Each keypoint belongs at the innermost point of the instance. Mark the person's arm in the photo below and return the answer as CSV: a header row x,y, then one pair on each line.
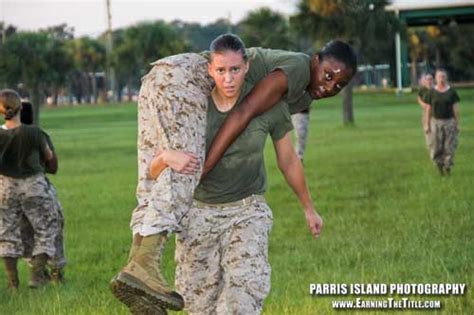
x,y
456,114
263,97
291,167
183,162
50,160
422,103
426,119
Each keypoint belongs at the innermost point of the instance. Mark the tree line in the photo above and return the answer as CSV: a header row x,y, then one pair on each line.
x,y
53,63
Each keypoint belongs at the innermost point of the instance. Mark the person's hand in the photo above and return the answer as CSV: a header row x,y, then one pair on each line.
x,y
314,221
427,129
182,162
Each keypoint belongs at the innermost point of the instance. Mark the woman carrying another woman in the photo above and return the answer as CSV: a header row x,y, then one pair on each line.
x,y
222,251
172,115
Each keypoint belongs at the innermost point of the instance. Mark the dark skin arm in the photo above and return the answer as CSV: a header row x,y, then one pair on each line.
x,y
51,161
263,97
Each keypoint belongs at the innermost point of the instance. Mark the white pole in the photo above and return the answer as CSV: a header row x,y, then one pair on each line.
x,y
398,54
109,47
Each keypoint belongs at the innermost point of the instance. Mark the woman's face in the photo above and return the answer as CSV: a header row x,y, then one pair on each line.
x,y
228,69
429,81
441,77
328,77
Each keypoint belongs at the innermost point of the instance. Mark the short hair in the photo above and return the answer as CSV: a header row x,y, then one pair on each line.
x,y
341,51
426,74
11,101
26,115
228,42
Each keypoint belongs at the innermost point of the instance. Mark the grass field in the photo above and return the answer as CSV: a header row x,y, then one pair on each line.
x,y
389,217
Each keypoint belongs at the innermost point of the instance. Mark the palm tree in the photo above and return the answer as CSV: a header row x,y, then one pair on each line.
x,y
265,28
141,44
88,57
36,60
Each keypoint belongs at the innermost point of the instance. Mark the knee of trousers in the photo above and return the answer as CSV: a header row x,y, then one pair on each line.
x,y
13,248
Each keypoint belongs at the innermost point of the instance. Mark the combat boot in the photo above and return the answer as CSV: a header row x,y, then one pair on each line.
x,y
441,169
447,171
12,273
137,239
57,275
138,304
140,284
39,273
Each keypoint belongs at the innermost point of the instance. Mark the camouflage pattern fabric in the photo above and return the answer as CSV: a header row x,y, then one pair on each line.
x,y
444,140
222,257
59,260
301,123
29,197
172,109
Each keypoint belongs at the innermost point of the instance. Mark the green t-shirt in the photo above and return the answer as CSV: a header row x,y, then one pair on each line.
x,y
241,171
423,93
442,103
23,154
295,65
5,139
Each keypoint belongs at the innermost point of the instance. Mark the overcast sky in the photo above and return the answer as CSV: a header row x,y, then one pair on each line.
x,y
88,17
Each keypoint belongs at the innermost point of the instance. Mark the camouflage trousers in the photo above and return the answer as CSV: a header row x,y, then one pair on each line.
x,y
59,260
300,122
443,142
222,257
172,110
29,197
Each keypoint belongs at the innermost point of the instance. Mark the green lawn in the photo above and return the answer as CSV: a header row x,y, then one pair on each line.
x,y
389,217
